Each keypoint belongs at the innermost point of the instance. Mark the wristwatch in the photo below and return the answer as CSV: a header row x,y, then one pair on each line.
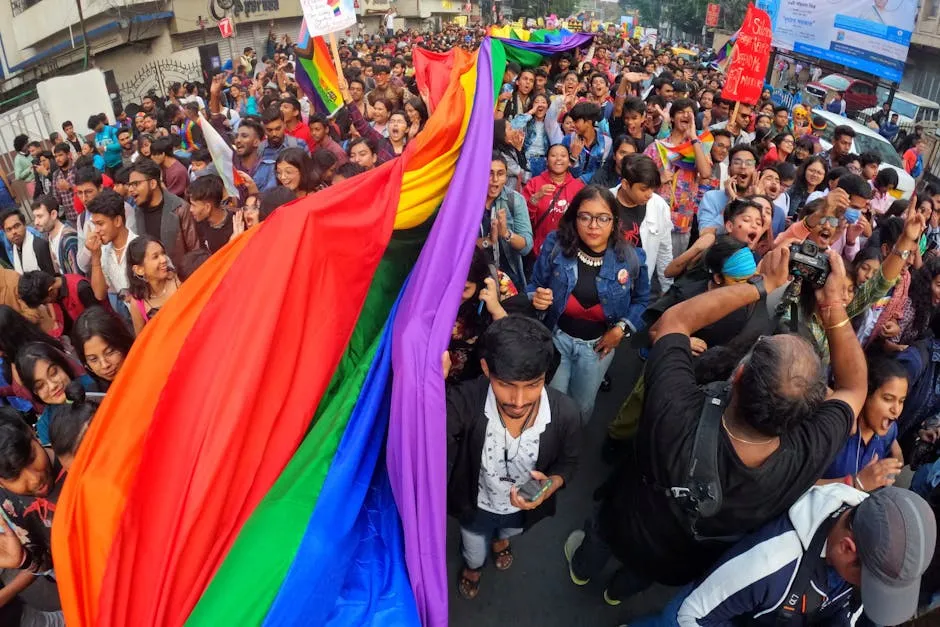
x,y
509,236
903,254
758,282
623,327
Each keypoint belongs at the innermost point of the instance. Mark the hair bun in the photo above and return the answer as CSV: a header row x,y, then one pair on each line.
x,y
75,392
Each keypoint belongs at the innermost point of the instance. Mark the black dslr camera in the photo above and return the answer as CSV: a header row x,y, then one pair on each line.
x,y
810,263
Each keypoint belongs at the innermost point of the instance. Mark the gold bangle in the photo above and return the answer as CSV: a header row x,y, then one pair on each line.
x,y
836,326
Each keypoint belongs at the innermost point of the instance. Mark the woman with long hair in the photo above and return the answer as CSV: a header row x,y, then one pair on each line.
x,y
293,171
809,178
521,100
46,372
15,332
151,281
548,195
102,342
871,457
780,150
535,145
508,142
593,288
417,113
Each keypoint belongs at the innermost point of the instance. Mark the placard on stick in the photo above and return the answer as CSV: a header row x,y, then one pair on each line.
x,y
744,79
328,16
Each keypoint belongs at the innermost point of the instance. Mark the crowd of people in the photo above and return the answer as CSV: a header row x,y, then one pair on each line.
x,y
782,294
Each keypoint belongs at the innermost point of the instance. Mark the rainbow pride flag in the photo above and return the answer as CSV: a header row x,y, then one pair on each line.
x,y
235,473
683,155
315,73
723,58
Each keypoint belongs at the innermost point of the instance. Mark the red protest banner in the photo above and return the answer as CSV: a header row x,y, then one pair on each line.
x,y
744,79
711,16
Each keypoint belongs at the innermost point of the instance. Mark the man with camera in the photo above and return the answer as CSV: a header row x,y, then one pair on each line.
x,y
512,443
687,492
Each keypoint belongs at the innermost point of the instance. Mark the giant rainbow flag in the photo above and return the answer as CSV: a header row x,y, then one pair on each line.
x,y
235,475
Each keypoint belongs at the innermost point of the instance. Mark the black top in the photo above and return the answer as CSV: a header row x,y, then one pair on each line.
x,y
640,523
630,220
585,292
215,237
153,220
559,446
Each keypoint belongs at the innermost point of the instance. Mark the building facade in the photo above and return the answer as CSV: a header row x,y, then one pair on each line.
x,y
921,76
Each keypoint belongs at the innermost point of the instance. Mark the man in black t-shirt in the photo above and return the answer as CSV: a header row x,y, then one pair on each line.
x,y
213,221
777,436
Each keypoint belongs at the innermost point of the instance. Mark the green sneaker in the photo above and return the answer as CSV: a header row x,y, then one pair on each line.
x,y
575,538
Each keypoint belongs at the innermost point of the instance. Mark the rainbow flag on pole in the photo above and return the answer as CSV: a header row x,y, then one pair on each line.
x,y
315,73
723,59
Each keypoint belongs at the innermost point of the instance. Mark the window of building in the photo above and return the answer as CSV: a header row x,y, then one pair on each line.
x,y
19,6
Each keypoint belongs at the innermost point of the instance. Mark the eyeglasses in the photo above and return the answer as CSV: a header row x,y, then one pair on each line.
x,y
744,162
832,221
585,219
134,184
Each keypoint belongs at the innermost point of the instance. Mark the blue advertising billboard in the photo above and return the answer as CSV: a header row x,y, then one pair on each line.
x,y
871,36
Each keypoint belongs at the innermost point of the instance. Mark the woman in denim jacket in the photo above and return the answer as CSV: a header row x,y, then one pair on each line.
x,y
593,288
505,229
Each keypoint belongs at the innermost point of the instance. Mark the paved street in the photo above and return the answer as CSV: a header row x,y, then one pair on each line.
x,y
537,589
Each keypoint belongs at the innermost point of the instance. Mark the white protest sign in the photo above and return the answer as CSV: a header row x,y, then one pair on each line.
x,y
328,16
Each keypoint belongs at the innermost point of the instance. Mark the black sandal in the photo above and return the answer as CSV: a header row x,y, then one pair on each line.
x,y
503,559
468,588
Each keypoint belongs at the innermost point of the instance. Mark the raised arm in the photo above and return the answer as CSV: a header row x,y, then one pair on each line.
x,y
849,369
696,313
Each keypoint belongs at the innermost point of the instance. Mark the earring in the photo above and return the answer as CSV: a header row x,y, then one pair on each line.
x,y
139,276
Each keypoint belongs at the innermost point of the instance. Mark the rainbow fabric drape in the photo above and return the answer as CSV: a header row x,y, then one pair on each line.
x,y
235,475
315,74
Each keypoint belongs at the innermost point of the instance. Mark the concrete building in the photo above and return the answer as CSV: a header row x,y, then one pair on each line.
x,y
921,76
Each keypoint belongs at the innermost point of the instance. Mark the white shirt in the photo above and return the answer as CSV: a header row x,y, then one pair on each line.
x,y
501,450
115,271
390,21
54,249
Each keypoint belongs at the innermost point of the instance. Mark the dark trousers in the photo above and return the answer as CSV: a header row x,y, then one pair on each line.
x,y
591,558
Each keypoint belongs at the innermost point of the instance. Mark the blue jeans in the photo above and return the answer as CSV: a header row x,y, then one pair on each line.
x,y
580,372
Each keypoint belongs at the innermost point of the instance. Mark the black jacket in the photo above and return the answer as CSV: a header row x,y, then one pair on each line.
x,y
559,446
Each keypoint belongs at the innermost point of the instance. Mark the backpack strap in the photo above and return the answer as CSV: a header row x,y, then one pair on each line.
x,y
795,607
700,494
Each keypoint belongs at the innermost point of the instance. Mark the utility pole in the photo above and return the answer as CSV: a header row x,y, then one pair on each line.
x,y
81,22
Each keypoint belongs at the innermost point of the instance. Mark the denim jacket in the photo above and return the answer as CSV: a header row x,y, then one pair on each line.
x,y
517,219
625,300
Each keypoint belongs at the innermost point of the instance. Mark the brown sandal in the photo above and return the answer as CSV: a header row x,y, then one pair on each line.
x,y
466,587
502,559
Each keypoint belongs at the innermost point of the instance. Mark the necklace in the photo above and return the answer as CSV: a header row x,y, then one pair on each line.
x,y
742,440
588,260
506,457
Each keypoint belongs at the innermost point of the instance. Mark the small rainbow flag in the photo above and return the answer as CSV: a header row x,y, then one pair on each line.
x,y
683,155
318,78
334,4
723,59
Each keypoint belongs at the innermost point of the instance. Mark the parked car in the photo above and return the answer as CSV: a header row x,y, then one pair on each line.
x,y
859,94
868,140
911,110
